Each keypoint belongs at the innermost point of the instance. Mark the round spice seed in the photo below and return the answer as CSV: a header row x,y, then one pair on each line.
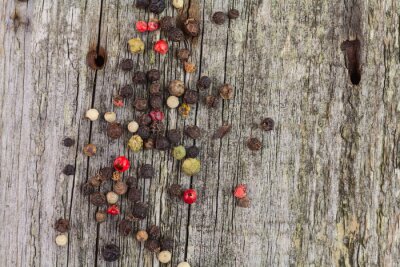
x,y
164,256
62,240
133,126
92,114
172,102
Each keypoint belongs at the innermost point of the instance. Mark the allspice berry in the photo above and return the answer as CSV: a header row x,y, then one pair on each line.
x,y
125,227
131,181
193,131
189,67
226,91
191,166
141,236
183,54
254,144
126,91
62,225
211,101
110,117
98,199
267,124
233,13
172,102
133,126
153,75
106,173
175,34
219,18
167,23
155,88
139,77
164,256
144,119
154,232
156,101
89,150
111,252
96,180
112,197
92,114
144,132
146,171
174,136
140,104
139,210
87,189
176,88
114,130
203,83
101,216
192,27
191,97
62,240
135,143
120,188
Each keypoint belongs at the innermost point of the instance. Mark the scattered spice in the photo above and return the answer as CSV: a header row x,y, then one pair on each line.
x,y
183,264
126,91
191,97
219,18
192,27
62,225
178,4
142,236
98,199
164,256
174,136
101,216
121,164
243,202
87,189
179,152
267,124
139,210
106,173
155,88
114,130
162,143
116,176
69,170
226,91
211,101
167,244
191,166
112,197
175,190
176,88
134,194
144,132
113,210
68,142
189,67
141,26
183,54
153,25
144,119
92,114
222,131
153,75
111,252
192,152
152,245
136,45
149,144
154,232
110,117
131,181
89,150
167,23
135,143
172,102
157,6
190,196
133,126
146,171
142,3
126,64
96,180
184,110
125,227
233,13
157,128
254,144
118,101
62,240
175,34
161,47
240,191
193,131
156,101
157,115
120,188
139,77
203,83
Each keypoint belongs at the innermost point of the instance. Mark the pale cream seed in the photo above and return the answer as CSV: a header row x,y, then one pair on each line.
x,y
142,236
92,114
133,126
110,116
112,197
172,102
62,240
183,264
178,4
164,256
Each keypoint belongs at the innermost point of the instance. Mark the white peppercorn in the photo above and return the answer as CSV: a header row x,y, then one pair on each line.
x,y
133,126
183,264
178,4
172,102
92,114
112,197
164,256
62,240
110,116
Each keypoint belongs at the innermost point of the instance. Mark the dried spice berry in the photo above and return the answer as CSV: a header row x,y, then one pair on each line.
x,y
219,18
157,6
62,240
111,252
87,189
156,101
174,136
140,104
126,91
110,116
222,131
116,176
167,244
136,45
243,202
62,225
157,115
144,132
175,34
120,188
226,91
101,216
184,110
89,150
167,23
112,197
154,232
191,166
164,256
142,3
233,13
192,27
134,194
178,4
139,77
126,64
149,144
131,181
106,172
98,199
153,75
125,227
175,190
267,124
183,54
193,131
189,67
179,152
92,114
68,142
113,210
192,152
152,245
96,180
142,236
161,47
146,171
191,97
153,25
204,83
155,88
144,119
141,26
69,170
114,130
118,101
240,191
176,88
172,102
254,144
139,210
190,196
162,143
157,127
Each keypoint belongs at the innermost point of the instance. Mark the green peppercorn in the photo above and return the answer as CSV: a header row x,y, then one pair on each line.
x,y
179,152
191,166
135,143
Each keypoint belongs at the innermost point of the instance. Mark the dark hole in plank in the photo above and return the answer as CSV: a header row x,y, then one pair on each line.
x,y
96,59
351,51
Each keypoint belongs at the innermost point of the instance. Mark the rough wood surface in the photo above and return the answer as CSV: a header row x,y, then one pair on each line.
x,y
325,188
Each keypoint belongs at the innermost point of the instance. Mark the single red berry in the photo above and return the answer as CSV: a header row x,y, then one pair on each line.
x,y
141,26
240,191
121,164
190,196
113,210
118,101
153,26
161,47
157,115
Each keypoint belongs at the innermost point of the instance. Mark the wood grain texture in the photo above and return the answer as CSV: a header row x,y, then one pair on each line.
x,y
325,188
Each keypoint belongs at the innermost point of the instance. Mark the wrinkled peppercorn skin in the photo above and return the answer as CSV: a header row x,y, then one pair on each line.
x,y
144,119
219,18
174,136
62,225
183,54
153,75
203,83
156,101
167,244
154,232
193,131
167,23
192,152
146,171
191,97
126,91
126,64
68,142
175,34
233,14
192,27
140,104
139,211
69,170
267,124
175,190
152,245
114,130
142,3
125,227
162,143
134,194
254,144
88,189
144,132
157,6
98,199
111,252
139,77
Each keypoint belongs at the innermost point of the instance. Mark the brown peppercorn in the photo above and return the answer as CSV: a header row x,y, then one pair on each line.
x,y
155,88
152,245
101,216
211,101
154,232
120,188
62,225
96,180
203,83
111,252
89,150
69,170
126,64
134,194
131,181
192,27
140,104
156,101
193,131
192,152
157,6
144,132
153,75
174,136
167,23
106,172
146,171
189,67
87,189
183,54
139,77
126,91
226,91
114,130
68,142
267,124
222,131
175,34
254,144
144,119
139,210
157,127
142,236
98,199
176,88
191,97
149,144
243,202
162,143
125,227
167,244
233,13
175,190
219,18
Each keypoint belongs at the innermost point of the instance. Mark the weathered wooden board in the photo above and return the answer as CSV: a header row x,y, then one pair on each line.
x,y
325,188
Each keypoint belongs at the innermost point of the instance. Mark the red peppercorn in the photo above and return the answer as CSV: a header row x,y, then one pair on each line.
x,y
141,26
121,164
157,115
161,47
190,196
118,101
113,210
240,191
153,26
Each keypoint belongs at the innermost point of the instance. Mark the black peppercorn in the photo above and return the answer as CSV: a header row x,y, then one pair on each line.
x,y
87,189
149,144
125,227
62,225
142,3
144,119
192,152
96,180
174,136
219,18
157,127
153,75
157,6
131,181
204,83
162,143
106,173
193,131
191,97
139,77
175,190
68,142
111,252
183,54
126,64
98,199
126,91
254,144
175,34
114,130
139,210
155,88
140,104
267,124
134,194
152,245
167,244
156,101
154,232
211,101
146,171
69,170
166,23
192,27
143,132
233,13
